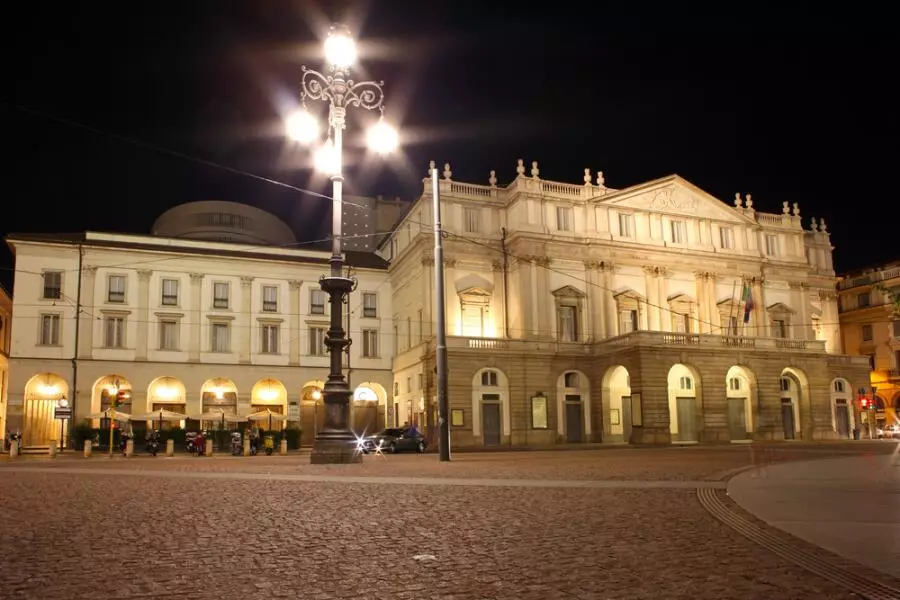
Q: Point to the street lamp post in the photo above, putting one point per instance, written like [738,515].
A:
[335,442]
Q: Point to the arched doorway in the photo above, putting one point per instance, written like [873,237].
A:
[793,385]
[42,394]
[312,410]
[219,395]
[842,421]
[573,407]
[684,412]
[167,393]
[369,408]
[740,388]
[616,398]
[104,393]
[490,406]
[272,395]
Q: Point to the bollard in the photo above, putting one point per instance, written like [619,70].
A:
[246,446]
[207,447]
[129,448]
[170,448]
[88,448]
[52,449]
[14,448]
[283,447]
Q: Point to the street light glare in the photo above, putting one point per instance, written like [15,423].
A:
[383,138]
[340,49]
[327,159]
[302,127]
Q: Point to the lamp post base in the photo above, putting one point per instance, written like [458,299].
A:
[335,451]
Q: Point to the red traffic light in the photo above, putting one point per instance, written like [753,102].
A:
[864,403]
[122,396]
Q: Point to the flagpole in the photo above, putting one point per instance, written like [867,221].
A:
[731,310]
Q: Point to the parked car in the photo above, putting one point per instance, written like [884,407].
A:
[886,432]
[395,439]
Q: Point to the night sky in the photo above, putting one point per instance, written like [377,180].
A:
[787,106]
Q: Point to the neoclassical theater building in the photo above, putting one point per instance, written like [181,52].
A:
[578,312]
[220,308]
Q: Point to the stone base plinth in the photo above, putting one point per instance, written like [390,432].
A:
[650,436]
[715,436]
[331,452]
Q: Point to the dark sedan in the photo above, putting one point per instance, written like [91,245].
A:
[395,439]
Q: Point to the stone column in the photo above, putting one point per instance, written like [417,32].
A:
[665,315]
[607,276]
[196,314]
[143,324]
[527,315]
[702,305]
[653,303]
[830,324]
[453,309]
[498,308]
[295,321]
[543,299]
[428,306]
[759,312]
[86,325]
[246,318]
[712,306]
[799,320]
[595,301]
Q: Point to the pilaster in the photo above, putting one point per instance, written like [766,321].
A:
[453,309]
[295,321]
[196,314]
[246,318]
[86,322]
[143,324]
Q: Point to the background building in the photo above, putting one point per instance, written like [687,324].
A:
[5,340]
[188,324]
[582,312]
[870,327]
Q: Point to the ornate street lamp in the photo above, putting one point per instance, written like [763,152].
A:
[335,442]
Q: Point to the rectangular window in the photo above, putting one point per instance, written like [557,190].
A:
[116,289]
[473,219]
[219,338]
[170,292]
[863,300]
[269,337]
[564,218]
[771,245]
[270,298]
[317,341]
[896,325]
[49,330]
[539,412]
[168,334]
[316,302]
[867,333]
[220,295]
[115,332]
[779,328]
[681,323]
[628,320]
[626,225]
[52,285]
[370,343]
[489,378]
[726,238]
[732,325]
[568,327]
[678,232]
[370,305]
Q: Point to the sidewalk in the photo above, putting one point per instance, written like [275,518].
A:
[849,506]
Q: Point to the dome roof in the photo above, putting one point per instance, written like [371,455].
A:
[221,221]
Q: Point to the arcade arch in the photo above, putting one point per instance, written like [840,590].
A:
[794,391]
[573,406]
[684,410]
[369,407]
[42,393]
[741,391]
[842,420]
[490,406]
[616,398]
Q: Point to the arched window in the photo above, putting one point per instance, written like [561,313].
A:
[734,384]
[686,383]
[489,378]
[571,380]
[839,386]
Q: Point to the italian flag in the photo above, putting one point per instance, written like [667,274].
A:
[748,302]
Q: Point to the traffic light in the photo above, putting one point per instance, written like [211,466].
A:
[122,397]
[864,403]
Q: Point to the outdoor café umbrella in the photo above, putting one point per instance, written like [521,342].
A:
[267,414]
[160,415]
[110,413]
[211,415]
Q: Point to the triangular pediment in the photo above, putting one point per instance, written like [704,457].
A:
[567,291]
[675,196]
[780,307]
[475,291]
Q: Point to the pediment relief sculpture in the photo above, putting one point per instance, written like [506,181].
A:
[679,199]
[567,291]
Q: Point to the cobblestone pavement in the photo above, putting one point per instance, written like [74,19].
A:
[101,535]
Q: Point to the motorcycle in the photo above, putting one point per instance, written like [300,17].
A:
[123,443]
[192,441]
[152,445]
[237,446]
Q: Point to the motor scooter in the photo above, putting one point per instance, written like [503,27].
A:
[152,445]
[236,444]
[269,443]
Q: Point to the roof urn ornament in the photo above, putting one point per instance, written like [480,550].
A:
[813,225]
[822,227]
[447,172]
[749,201]
[534,169]
[601,181]
[785,208]
[430,167]
[796,209]
[737,200]
[520,168]
[493,179]
[587,177]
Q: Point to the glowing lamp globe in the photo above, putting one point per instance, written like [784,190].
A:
[302,127]
[383,138]
[340,49]
[327,160]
